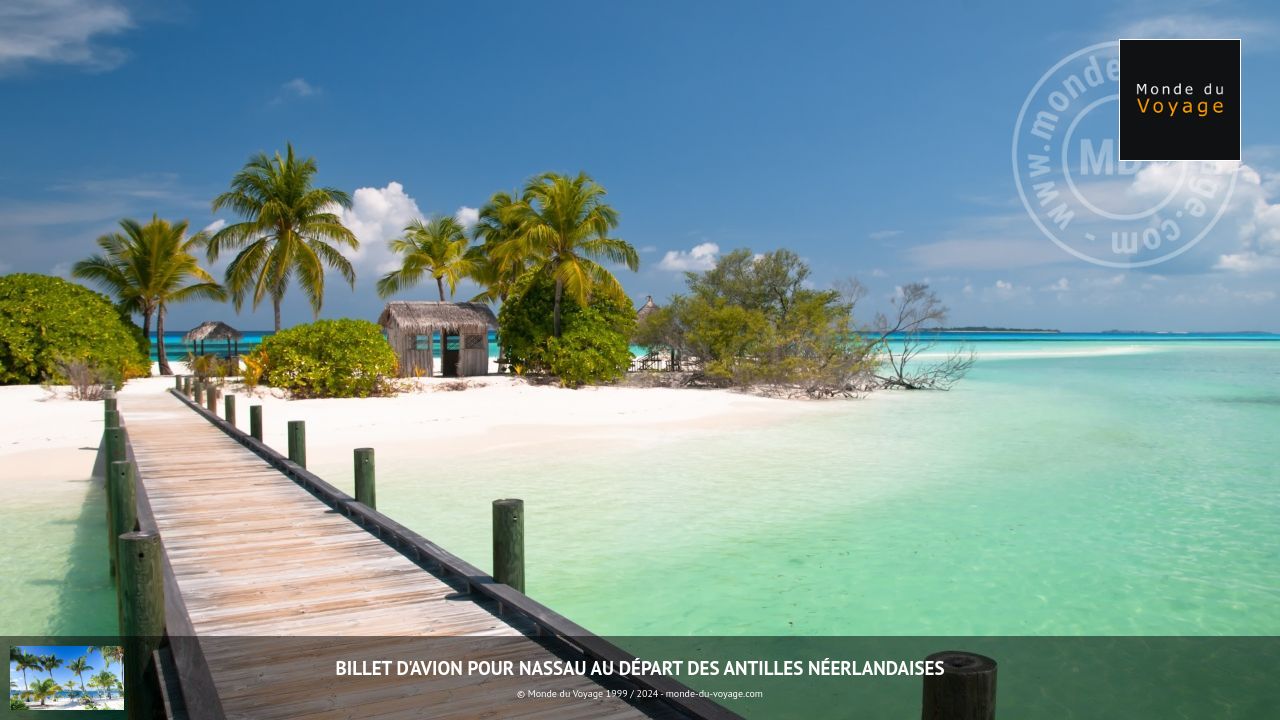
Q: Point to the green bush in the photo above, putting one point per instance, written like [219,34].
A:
[328,358]
[593,346]
[16,703]
[44,320]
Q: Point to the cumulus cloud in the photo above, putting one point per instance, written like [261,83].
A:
[697,259]
[215,226]
[1246,262]
[60,32]
[467,217]
[376,215]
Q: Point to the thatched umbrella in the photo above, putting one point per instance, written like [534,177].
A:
[646,309]
[214,330]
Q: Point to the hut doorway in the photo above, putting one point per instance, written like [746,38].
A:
[450,351]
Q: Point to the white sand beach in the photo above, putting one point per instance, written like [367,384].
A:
[76,704]
[48,437]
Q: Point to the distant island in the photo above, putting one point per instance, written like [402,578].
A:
[1186,332]
[984,328]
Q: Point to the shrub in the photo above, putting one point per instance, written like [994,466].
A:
[46,320]
[593,346]
[755,321]
[85,381]
[328,358]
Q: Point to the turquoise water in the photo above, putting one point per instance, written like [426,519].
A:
[1111,485]
[175,348]
[1060,489]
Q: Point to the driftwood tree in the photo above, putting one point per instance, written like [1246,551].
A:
[906,332]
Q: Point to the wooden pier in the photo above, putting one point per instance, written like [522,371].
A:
[256,548]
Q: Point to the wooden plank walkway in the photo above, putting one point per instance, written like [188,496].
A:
[256,556]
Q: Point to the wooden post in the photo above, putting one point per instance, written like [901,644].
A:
[365,492]
[508,542]
[229,409]
[298,442]
[255,422]
[109,408]
[966,689]
[140,594]
[122,506]
[199,393]
[177,382]
[186,385]
[113,440]
[211,397]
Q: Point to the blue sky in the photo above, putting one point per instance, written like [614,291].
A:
[874,141]
[64,677]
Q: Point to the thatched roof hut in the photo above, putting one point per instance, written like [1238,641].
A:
[646,309]
[460,329]
[213,330]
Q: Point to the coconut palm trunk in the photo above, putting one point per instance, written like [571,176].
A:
[161,355]
[555,313]
[146,329]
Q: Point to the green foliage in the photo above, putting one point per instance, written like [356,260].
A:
[44,320]
[147,267]
[754,320]
[561,226]
[593,346]
[15,703]
[290,231]
[439,249]
[328,358]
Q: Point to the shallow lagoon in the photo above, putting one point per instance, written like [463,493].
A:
[1113,486]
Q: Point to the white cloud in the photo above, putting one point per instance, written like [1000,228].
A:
[700,258]
[878,273]
[467,216]
[215,226]
[884,234]
[1110,281]
[1004,291]
[299,87]
[60,32]
[649,249]
[1194,25]
[295,89]
[1246,262]
[376,215]
[1062,285]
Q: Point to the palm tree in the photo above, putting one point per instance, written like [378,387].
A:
[42,690]
[106,680]
[562,225]
[110,654]
[49,663]
[290,231]
[147,267]
[438,248]
[495,271]
[79,666]
[25,662]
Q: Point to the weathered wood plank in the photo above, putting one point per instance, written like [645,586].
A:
[242,574]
